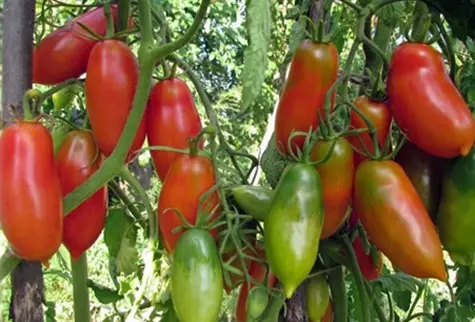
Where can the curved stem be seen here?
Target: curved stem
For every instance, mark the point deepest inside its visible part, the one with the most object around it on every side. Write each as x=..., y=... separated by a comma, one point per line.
x=353, y=263
x=166, y=49
x=80, y=290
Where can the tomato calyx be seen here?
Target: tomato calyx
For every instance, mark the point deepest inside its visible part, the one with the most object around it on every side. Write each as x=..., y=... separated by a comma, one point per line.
x=195, y=141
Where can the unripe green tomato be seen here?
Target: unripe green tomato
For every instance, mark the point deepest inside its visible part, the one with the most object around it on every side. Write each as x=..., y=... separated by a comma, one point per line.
x=256, y=303
x=64, y=98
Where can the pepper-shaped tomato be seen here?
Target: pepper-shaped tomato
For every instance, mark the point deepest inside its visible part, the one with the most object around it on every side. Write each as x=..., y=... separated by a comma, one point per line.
x=259, y=271
x=172, y=119
x=31, y=202
x=318, y=297
x=337, y=181
x=112, y=75
x=426, y=104
x=313, y=70
x=187, y=180
x=63, y=54
x=78, y=158
x=378, y=113
x=456, y=218
x=396, y=220
x=294, y=225
x=197, y=277
x=426, y=173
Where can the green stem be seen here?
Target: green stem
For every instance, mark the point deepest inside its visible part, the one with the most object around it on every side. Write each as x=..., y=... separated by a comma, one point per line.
x=421, y=23
x=145, y=19
x=448, y=46
x=360, y=283
x=8, y=262
x=417, y=315
x=416, y=300
x=166, y=49
x=34, y=96
x=124, y=10
x=376, y=306
x=80, y=290
x=126, y=201
x=110, y=20
x=336, y=279
x=57, y=88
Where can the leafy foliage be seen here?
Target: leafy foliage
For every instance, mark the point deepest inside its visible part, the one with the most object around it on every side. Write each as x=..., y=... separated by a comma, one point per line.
x=460, y=15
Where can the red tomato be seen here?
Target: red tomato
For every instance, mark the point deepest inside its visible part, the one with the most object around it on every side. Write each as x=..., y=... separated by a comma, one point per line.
x=31, y=202
x=426, y=104
x=328, y=317
x=336, y=176
x=396, y=220
x=172, y=119
x=112, y=75
x=188, y=178
x=376, y=112
x=314, y=68
x=258, y=272
x=63, y=54
x=77, y=160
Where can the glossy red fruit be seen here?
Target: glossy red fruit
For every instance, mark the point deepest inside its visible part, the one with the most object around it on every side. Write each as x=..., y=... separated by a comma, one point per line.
x=63, y=54
x=172, y=119
x=426, y=104
x=31, y=202
x=378, y=113
x=187, y=180
x=314, y=68
x=78, y=158
x=336, y=176
x=396, y=220
x=112, y=75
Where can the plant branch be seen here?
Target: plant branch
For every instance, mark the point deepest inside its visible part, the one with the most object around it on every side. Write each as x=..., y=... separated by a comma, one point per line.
x=80, y=290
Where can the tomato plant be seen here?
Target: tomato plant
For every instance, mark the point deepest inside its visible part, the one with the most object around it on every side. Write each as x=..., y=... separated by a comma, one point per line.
x=195, y=175
x=172, y=120
x=426, y=104
x=31, y=203
x=337, y=181
x=318, y=297
x=380, y=115
x=396, y=220
x=77, y=160
x=314, y=68
x=112, y=75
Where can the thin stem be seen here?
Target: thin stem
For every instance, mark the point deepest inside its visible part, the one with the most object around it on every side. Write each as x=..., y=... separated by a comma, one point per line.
x=145, y=19
x=376, y=306
x=110, y=20
x=416, y=300
x=80, y=290
x=126, y=201
x=451, y=291
x=448, y=45
x=336, y=279
x=353, y=263
x=166, y=49
x=418, y=315
x=124, y=10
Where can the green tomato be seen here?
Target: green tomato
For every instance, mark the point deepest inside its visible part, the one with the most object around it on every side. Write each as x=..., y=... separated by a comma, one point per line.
x=254, y=200
x=256, y=303
x=318, y=297
x=64, y=98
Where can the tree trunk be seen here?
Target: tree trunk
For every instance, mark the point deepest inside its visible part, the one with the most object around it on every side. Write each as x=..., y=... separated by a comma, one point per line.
x=19, y=17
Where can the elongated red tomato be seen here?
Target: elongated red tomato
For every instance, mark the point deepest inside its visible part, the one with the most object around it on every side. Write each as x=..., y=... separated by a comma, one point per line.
x=426, y=104
x=31, y=202
x=78, y=158
x=112, y=75
x=314, y=68
x=378, y=113
x=258, y=271
x=63, y=54
x=172, y=119
x=337, y=182
x=396, y=220
x=187, y=180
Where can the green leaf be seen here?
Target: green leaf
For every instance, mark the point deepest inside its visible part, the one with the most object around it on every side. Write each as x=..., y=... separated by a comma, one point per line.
x=461, y=16
x=391, y=14
x=120, y=236
x=402, y=299
x=103, y=294
x=50, y=312
x=398, y=282
x=259, y=22
x=297, y=34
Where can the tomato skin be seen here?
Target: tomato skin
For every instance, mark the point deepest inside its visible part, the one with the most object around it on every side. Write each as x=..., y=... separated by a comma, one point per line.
x=396, y=220
x=258, y=271
x=31, y=202
x=172, y=119
x=188, y=178
x=426, y=173
x=67, y=49
x=337, y=182
x=313, y=69
x=455, y=218
x=318, y=297
x=77, y=160
x=254, y=200
x=293, y=225
x=378, y=113
x=197, y=278
x=112, y=75
x=426, y=104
